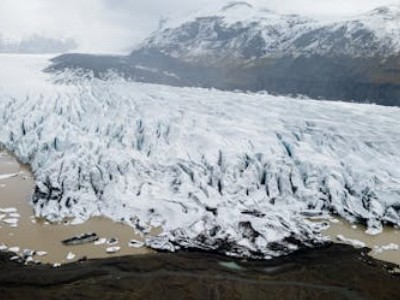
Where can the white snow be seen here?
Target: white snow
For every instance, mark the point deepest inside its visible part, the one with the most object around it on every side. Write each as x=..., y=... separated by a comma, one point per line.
x=195, y=35
x=207, y=166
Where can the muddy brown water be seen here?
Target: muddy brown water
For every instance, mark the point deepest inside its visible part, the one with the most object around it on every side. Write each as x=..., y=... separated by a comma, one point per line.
x=38, y=235
x=377, y=243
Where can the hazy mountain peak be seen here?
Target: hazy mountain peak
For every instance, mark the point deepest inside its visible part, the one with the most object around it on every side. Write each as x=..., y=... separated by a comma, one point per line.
x=240, y=30
x=387, y=10
x=236, y=4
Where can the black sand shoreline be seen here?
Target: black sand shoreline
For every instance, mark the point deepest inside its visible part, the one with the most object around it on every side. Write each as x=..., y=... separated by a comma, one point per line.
x=331, y=272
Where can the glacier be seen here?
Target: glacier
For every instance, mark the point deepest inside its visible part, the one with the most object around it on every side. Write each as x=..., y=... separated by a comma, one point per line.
x=234, y=173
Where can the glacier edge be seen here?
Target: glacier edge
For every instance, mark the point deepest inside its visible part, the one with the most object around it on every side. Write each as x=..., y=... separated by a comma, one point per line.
x=226, y=172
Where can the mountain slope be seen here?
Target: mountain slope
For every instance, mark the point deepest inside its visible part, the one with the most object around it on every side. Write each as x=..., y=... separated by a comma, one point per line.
x=240, y=31
x=239, y=47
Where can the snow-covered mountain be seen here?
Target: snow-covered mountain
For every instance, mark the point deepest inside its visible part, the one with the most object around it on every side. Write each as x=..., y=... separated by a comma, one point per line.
x=228, y=172
x=36, y=44
x=240, y=31
x=241, y=47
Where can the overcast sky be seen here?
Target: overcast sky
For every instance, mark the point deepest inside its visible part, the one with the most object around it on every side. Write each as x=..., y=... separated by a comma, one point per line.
x=112, y=25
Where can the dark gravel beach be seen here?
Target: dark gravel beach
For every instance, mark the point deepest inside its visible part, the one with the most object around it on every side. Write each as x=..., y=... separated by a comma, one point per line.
x=333, y=272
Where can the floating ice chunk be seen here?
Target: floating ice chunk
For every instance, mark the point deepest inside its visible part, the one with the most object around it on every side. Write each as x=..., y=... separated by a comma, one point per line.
x=354, y=227
x=231, y=265
x=14, y=249
x=56, y=265
x=135, y=244
x=112, y=242
x=355, y=243
x=111, y=250
x=374, y=231
x=41, y=253
x=334, y=221
x=81, y=239
x=391, y=246
x=10, y=221
x=7, y=176
x=8, y=210
x=161, y=243
x=71, y=256
x=101, y=241
x=378, y=250
x=28, y=259
x=14, y=215
x=28, y=252
x=3, y=247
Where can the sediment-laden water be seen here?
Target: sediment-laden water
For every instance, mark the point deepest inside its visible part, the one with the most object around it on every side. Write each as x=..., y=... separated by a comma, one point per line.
x=385, y=246
x=24, y=231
